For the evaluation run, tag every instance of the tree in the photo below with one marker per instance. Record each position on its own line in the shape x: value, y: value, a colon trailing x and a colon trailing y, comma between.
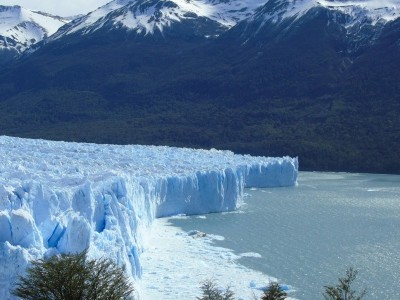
x: 343, y: 291
x: 73, y: 277
x: 211, y: 292
x: 274, y: 292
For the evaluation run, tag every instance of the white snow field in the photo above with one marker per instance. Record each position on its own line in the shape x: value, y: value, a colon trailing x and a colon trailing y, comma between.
x: 58, y: 197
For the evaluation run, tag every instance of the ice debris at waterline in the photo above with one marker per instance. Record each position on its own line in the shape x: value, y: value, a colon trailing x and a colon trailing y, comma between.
x: 59, y: 197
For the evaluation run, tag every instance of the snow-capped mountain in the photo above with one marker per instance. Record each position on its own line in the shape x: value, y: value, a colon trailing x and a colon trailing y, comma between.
x: 349, y: 13
x: 149, y: 16
x: 357, y: 11
x: 20, y: 28
x: 307, y: 66
x: 354, y: 24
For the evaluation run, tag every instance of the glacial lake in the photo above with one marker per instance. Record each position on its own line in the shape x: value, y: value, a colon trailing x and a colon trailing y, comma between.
x: 310, y: 234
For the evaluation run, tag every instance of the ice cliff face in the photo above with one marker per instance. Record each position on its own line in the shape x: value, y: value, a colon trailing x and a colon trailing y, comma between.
x: 58, y: 197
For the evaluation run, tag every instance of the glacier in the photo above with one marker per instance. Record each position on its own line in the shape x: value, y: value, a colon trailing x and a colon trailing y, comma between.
x: 59, y: 197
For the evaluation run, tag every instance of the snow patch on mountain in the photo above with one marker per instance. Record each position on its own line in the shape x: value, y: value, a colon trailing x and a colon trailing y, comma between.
x: 58, y: 197
x: 371, y: 11
x: 20, y: 27
x: 146, y: 16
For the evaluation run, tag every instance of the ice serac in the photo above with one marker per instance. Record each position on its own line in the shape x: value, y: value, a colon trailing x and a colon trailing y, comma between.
x: 58, y: 197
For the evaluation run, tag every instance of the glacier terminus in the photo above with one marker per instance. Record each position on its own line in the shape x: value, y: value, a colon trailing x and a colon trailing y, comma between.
x: 58, y: 197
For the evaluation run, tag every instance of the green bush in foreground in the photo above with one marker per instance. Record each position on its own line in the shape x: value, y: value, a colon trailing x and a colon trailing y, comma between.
x: 343, y: 290
x: 211, y: 292
x: 274, y: 292
x: 73, y: 277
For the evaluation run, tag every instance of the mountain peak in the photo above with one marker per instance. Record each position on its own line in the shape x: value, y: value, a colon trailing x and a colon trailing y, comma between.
x: 21, y: 27
x: 373, y: 11
x: 148, y: 16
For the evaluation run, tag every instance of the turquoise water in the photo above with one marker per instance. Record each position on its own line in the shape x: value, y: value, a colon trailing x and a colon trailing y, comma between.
x: 310, y: 234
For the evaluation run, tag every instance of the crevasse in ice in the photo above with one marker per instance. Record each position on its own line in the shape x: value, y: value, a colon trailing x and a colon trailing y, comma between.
x: 58, y: 197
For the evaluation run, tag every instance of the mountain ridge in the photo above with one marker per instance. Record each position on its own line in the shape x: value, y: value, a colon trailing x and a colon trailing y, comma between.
x: 148, y: 16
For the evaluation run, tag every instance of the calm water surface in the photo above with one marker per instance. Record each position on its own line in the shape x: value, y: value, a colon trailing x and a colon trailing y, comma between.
x: 310, y: 234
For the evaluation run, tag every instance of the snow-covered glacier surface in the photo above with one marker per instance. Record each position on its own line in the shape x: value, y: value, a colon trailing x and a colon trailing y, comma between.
x: 58, y: 197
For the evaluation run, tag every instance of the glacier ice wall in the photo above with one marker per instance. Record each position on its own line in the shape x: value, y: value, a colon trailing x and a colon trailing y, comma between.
x: 58, y: 197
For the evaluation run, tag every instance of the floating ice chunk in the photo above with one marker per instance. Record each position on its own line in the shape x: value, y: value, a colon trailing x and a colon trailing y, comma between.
x: 250, y: 254
x: 196, y: 234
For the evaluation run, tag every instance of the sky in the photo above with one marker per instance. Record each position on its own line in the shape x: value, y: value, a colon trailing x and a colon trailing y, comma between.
x: 57, y: 7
